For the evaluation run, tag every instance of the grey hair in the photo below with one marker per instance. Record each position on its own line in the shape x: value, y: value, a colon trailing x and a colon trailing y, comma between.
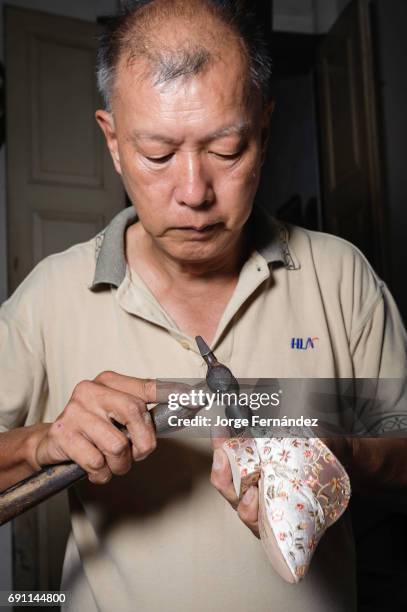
x: 167, y: 63
x: 172, y: 64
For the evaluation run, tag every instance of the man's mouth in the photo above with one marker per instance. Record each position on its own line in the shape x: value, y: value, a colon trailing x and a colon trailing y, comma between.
x: 200, y: 229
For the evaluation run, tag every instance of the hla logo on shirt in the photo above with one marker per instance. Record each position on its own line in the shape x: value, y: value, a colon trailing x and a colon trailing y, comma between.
x: 301, y: 345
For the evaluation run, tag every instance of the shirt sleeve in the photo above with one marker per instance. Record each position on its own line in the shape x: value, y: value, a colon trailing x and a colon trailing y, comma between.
x: 379, y: 350
x: 379, y: 342
x: 23, y: 386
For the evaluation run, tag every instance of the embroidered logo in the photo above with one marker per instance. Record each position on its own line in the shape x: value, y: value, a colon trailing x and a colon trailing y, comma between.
x: 303, y: 345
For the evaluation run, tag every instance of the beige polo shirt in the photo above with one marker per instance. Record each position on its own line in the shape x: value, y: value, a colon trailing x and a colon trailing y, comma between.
x: 161, y: 537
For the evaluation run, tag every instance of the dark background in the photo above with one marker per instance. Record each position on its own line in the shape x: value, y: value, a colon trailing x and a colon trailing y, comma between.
x: 292, y: 189
x: 292, y: 176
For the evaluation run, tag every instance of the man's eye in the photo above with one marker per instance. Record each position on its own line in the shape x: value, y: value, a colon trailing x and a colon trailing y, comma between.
x: 160, y: 160
x: 230, y: 156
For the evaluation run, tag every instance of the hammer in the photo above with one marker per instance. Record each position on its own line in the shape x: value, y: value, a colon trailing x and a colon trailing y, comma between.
x: 52, y: 479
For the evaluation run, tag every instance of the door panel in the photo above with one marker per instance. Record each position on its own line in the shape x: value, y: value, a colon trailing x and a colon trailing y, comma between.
x: 66, y: 144
x: 58, y: 165
x: 62, y: 189
x: 55, y: 231
x: 352, y: 185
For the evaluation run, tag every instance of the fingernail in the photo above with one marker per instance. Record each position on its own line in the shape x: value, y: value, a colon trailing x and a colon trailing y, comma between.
x: 217, y: 459
x: 248, y: 496
x: 141, y: 457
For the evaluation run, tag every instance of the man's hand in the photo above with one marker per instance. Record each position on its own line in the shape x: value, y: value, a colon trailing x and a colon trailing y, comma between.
x: 221, y: 478
x: 85, y: 434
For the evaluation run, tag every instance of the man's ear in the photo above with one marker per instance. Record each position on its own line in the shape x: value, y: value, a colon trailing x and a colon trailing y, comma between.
x: 265, y: 127
x: 106, y: 123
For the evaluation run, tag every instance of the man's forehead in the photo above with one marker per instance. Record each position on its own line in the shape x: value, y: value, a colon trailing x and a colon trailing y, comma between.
x: 168, y: 78
x: 224, y: 82
x: 240, y: 129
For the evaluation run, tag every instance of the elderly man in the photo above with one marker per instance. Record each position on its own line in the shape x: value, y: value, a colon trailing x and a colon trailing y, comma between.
x: 88, y: 332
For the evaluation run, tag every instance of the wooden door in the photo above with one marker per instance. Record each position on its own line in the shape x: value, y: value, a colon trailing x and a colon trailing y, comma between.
x: 62, y: 188
x: 351, y: 172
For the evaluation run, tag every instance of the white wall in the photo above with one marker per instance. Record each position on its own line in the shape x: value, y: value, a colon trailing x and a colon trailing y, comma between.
x: 88, y: 10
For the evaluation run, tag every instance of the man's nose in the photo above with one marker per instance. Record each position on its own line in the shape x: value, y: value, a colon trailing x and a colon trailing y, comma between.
x: 193, y: 183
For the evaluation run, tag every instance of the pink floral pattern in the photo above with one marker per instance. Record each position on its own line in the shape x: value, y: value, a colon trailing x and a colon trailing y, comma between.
x: 245, y: 462
x: 303, y: 490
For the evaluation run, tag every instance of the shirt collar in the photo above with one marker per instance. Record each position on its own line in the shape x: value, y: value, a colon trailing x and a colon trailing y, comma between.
x: 271, y: 238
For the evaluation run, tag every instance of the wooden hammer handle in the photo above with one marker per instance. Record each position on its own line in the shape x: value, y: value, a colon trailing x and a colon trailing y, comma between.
x: 55, y: 478
x: 37, y: 488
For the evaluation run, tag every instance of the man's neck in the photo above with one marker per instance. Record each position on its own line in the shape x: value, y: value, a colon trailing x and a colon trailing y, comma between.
x: 157, y: 268
x: 184, y: 290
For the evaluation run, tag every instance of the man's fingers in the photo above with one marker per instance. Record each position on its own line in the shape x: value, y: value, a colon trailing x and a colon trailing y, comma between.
x: 248, y: 509
x: 132, y: 412
x: 141, y: 429
x: 95, y: 399
x: 150, y: 390
x: 144, y: 388
x: 84, y: 453
x: 110, y: 444
x: 219, y: 435
x: 221, y: 477
x: 165, y: 388
x: 108, y: 403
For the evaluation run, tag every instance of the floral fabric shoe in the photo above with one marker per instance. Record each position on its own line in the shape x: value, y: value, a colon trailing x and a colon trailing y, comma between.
x: 303, y: 490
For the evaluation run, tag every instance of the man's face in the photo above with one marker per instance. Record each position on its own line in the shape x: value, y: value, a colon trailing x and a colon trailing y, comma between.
x: 189, y: 153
